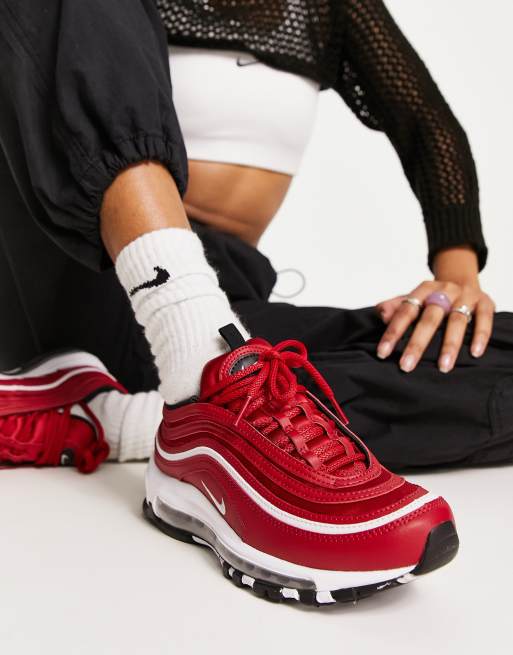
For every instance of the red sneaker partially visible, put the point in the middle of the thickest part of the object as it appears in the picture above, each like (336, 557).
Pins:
(288, 497)
(44, 416)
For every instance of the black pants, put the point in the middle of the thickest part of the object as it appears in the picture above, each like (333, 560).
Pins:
(416, 419)
(84, 91)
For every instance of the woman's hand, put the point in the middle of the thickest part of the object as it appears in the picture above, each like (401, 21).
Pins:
(456, 275)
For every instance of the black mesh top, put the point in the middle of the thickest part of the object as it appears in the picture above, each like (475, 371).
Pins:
(356, 48)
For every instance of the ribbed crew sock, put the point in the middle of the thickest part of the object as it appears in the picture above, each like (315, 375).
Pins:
(129, 421)
(176, 297)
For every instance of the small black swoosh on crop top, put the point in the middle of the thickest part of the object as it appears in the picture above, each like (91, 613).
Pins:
(241, 62)
(161, 278)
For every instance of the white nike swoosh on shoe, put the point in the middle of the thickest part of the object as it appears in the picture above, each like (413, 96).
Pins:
(292, 519)
(220, 505)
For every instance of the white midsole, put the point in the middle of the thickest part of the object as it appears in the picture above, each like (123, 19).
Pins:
(59, 362)
(81, 362)
(185, 498)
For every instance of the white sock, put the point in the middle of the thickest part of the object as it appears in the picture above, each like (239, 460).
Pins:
(176, 297)
(130, 422)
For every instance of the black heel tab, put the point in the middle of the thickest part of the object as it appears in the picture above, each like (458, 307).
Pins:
(232, 336)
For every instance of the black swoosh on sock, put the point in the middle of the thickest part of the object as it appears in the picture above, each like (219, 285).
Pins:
(161, 278)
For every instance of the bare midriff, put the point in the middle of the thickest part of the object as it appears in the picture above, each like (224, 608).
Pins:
(240, 200)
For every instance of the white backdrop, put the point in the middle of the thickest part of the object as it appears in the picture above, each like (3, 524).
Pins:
(351, 223)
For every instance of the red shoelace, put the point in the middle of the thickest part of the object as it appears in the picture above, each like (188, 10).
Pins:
(40, 438)
(267, 394)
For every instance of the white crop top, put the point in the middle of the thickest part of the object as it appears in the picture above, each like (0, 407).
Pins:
(234, 109)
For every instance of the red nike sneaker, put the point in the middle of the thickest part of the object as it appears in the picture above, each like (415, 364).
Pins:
(44, 416)
(293, 503)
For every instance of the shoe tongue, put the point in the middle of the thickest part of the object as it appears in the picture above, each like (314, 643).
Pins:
(237, 360)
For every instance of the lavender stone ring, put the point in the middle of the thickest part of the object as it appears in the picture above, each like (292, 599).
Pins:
(440, 300)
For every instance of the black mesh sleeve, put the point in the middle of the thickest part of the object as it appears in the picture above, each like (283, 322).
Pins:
(388, 87)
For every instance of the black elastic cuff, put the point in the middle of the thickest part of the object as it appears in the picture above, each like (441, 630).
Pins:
(453, 227)
(100, 172)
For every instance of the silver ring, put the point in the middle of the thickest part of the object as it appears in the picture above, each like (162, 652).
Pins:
(411, 300)
(465, 310)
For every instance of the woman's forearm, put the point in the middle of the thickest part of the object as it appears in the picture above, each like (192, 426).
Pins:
(141, 199)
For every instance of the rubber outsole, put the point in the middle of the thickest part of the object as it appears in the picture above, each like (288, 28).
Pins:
(441, 547)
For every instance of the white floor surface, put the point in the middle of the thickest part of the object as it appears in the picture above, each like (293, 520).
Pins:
(81, 572)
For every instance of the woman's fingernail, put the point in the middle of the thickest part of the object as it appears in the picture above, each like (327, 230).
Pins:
(384, 349)
(407, 363)
(477, 349)
(445, 364)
